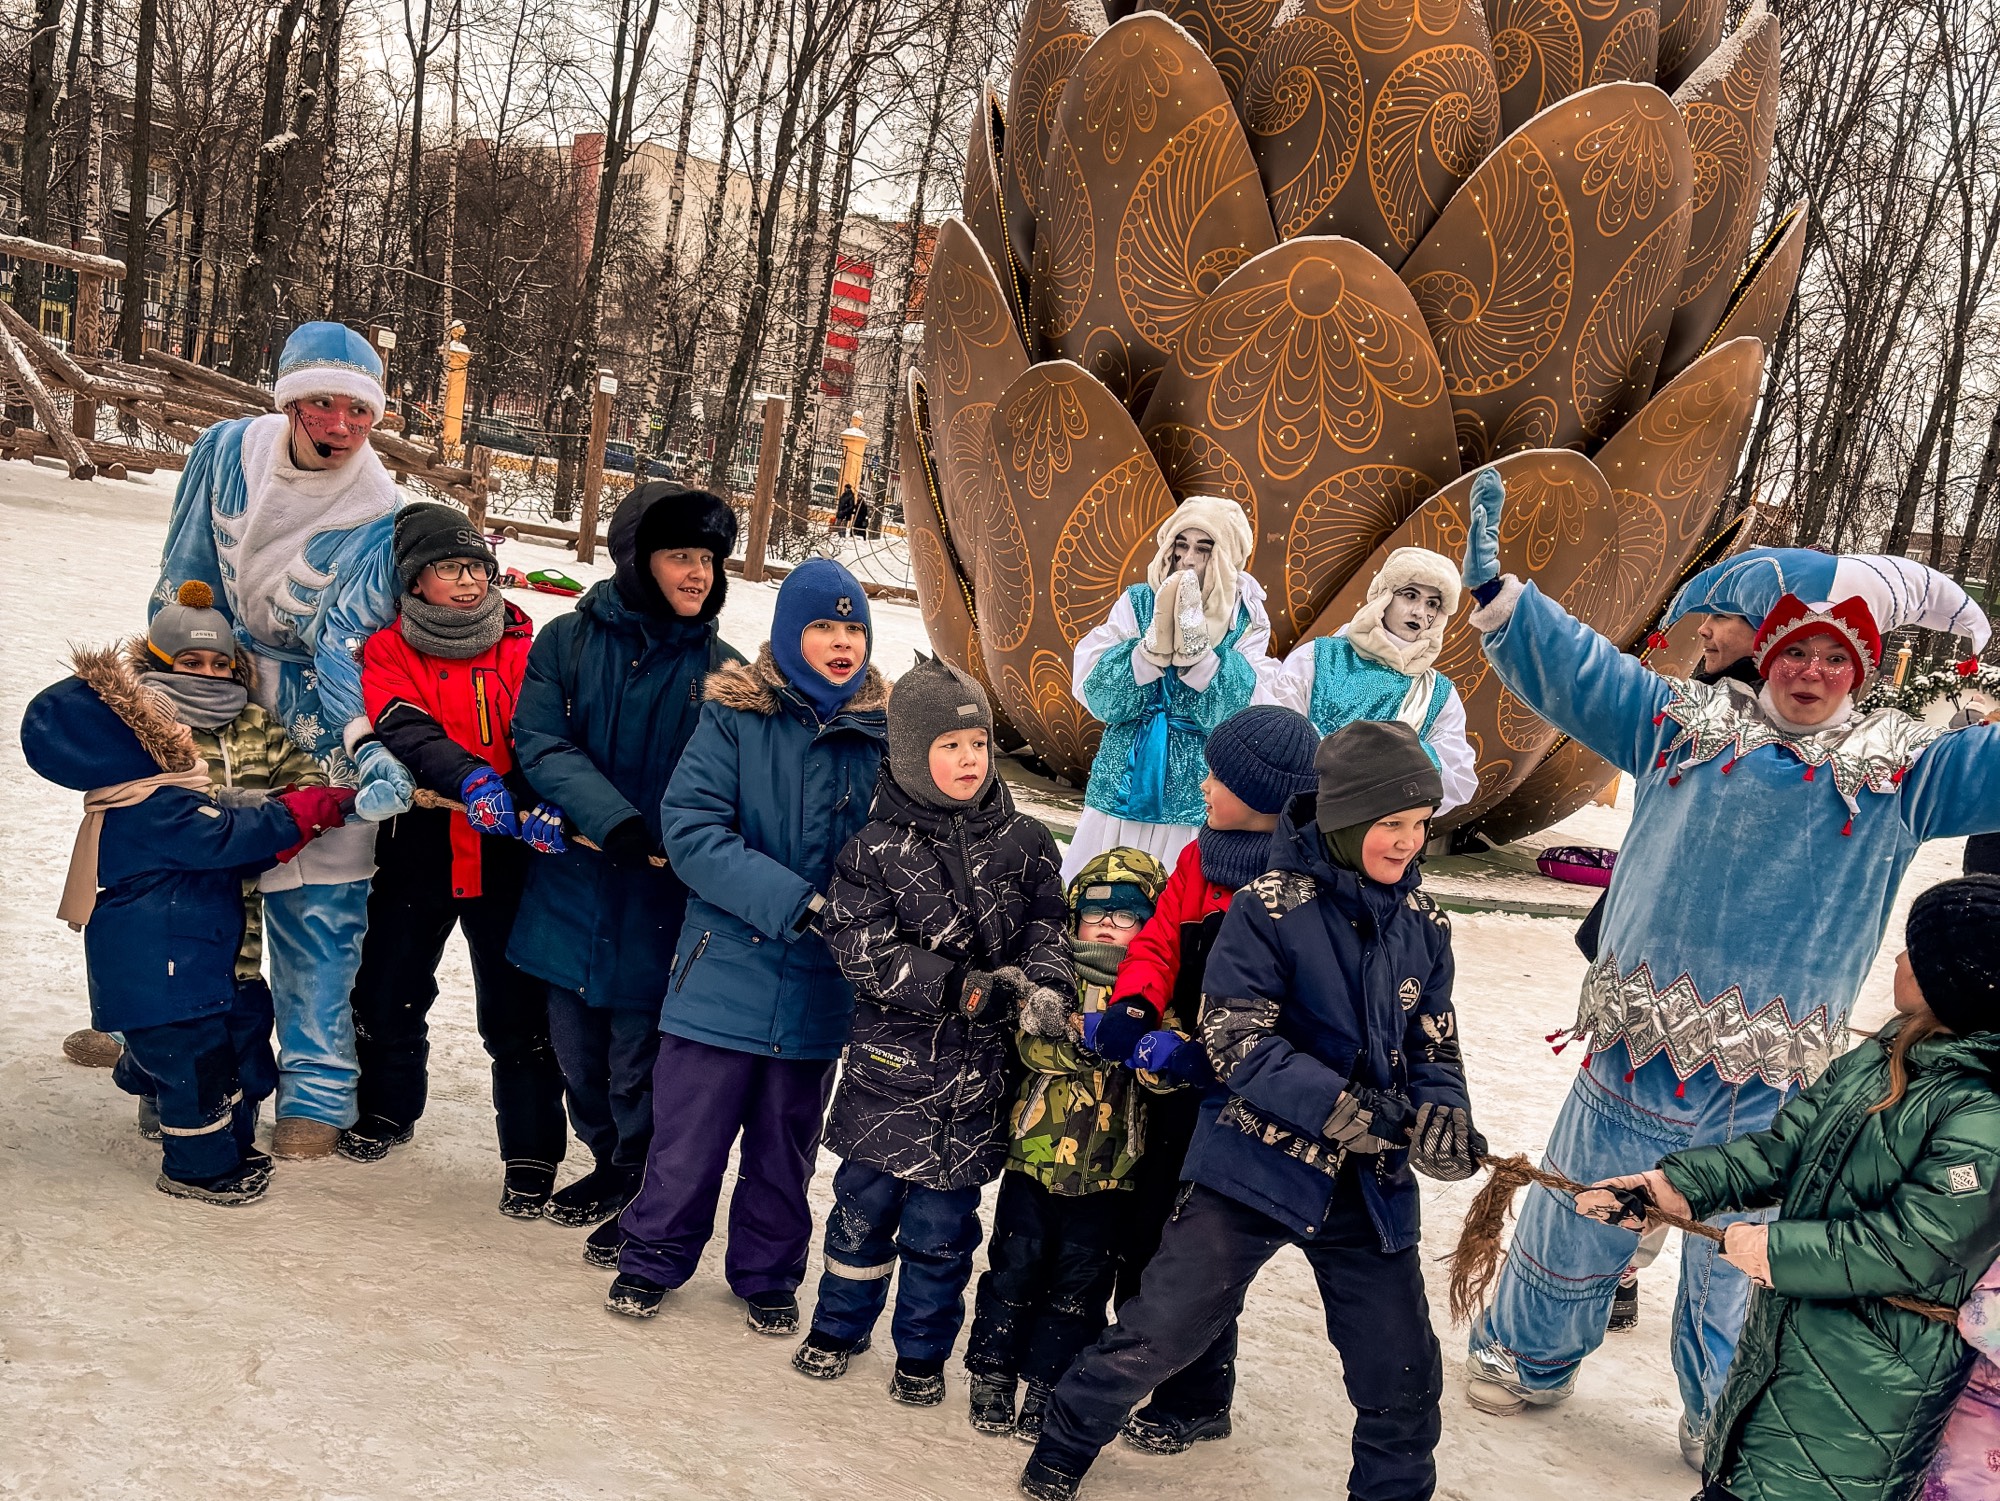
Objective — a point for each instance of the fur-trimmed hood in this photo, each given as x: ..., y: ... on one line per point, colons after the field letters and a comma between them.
x: 1369, y: 632
x: 103, y: 726
x: 753, y: 688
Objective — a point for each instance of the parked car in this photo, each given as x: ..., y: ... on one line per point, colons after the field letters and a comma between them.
x: 499, y: 433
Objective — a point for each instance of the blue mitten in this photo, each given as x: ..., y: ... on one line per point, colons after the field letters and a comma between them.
x: 1171, y: 1056
x: 1113, y: 1032
x: 386, y: 784
x: 541, y: 828
x: 1482, y: 536
x: 489, y: 806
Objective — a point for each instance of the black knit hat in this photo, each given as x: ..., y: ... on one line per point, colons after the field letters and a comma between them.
x: 1953, y: 936
x: 1370, y: 769
x: 658, y: 516
x: 429, y: 532
x: 1264, y: 755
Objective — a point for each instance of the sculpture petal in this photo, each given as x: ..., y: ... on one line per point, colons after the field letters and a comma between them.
x: 1765, y: 290
x: 1054, y: 36
x: 1548, y: 281
x: 1150, y: 199
x: 1689, y: 31
x: 985, y: 211
x: 1229, y: 31
x: 1308, y: 379
x: 1730, y: 105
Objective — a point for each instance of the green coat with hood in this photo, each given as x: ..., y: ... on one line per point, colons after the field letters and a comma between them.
x: 1835, y: 1395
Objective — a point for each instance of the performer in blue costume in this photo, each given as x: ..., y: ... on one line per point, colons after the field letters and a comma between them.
x: 1179, y: 654
x: 1771, y: 827
x: 289, y: 518
x: 1381, y: 666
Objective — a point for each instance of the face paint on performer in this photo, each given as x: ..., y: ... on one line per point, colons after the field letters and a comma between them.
x: 1412, y: 610
x: 1191, y: 551
x: 1809, y: 679
x: 327, y: 431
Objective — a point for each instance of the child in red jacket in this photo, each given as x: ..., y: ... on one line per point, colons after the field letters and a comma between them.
x: 439, y: 686
x: 1258, y: 761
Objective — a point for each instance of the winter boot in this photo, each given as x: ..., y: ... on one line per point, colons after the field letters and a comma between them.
x: 602, y: 1245
x: 634, y: 1296
x: 149, y: 1117
x: 1694, y: 1447
x: 1156, y: 1432
x: 369, y: 1139
x: 242, y: 1184
x: 598, y: 1194
x: 1034, y: 1407
x: 1625, y: 1305
x: 773, y: 1313
x: 259, y: 1162
x: 1494, y: 1385
x: 918, y: 1383
x: 298, y: 1139
x: 992, y: 1403
x: 92, y: 1048
x: 825, y: 1358
x: 527, y: 1188
x: 1045, y: 1482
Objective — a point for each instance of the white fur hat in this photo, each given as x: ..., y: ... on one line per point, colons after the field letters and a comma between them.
x: 1418, y: 565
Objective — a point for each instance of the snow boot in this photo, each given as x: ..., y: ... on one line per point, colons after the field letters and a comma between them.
x: 992, y: 1403
x: 825, y: 1358
x: 243, y: 1184
x: 1625, y: 1305
x: 602, y: 1245
x: 1155, y: 1432
x: 773, y: 1313
x: 1043, y: 1481
x: 918, y: 1383
x: 1034, y: 1407
x: 298, y: 1139
x: 91, y: 1048
x: 598, y: 1194
x: 634, y: 1296
x: 1694, y: 1446
x: 369, y: 1140
x: 527, y: 1188
x: 149, y: 1117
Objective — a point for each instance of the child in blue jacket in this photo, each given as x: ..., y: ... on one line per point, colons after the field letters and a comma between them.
x: 1326, y: 1011
x: 156, y: 884
x: 774, y: 783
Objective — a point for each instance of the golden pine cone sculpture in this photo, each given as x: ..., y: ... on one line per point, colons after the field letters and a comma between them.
x: 1326, y: 258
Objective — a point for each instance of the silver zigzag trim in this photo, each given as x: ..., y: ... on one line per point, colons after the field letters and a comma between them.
x: 1721, y: 1032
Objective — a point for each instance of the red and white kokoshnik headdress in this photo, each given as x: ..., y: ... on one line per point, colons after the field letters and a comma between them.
x: 1792, y: 619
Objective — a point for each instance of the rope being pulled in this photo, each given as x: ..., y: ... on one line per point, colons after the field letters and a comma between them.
x: 1476, y: 1261
x: 424, y: 798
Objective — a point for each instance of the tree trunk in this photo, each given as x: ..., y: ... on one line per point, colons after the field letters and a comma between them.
x: 413, y: 192
x: 37, y: 154
x: 1982, y: 492
x: 667, y: 304
x: 132, y: 319
x: 256, y: 293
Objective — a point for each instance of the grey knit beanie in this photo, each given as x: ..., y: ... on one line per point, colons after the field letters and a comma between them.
x: 190, y: 622
x: 930, y: 699
x: 1370, y: 769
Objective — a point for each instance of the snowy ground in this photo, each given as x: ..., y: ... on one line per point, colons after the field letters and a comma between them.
x: 381, y: 1332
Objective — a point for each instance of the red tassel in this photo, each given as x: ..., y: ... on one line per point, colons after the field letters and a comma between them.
x: 1659, y: 764
x: 1660, y: 718
x: 1896, y: 776
x: 1555, y: 1034
x: 1969, y: 667
x: 1730, y: 765
x: 1674, y: 780
x: 1586, y: 1059
x: 1655, y: 641
x: 1560, y: 1046
x: 1809, y: 773
x: 1628, y: 1075
x: 1681, y: 1090
x: 1848, y: 827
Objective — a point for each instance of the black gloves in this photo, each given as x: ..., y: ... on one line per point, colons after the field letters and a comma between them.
x: 1445, y: 1146
x: 629, y: 846
x: 1369, y: 1120
x: 1115, y: 1031
x: 990, y: 995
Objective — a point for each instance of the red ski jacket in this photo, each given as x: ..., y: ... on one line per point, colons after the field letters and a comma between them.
x: 445, y: 717
x: 1165, y: 962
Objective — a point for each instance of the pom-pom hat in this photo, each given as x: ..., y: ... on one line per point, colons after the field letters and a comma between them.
x: 329, y: 359
x: 190, y: 622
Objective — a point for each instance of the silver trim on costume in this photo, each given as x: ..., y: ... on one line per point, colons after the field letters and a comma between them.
x: 1720, y: 1032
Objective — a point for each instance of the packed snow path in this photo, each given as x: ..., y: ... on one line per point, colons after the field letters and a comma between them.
x: 381, y: 1332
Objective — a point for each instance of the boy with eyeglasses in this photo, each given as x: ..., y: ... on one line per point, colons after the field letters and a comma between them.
x: 440, y: 687
x: 1077, y: 1129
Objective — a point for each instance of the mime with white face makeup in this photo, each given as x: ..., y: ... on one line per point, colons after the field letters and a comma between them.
x: 1380, y: 666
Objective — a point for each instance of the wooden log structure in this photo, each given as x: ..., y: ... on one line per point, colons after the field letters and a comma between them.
x: 14, y: 360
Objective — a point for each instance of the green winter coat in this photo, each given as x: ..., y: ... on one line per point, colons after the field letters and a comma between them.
x: 1835, y: 1395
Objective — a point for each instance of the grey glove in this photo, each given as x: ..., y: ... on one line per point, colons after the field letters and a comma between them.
x: 991, y: 995
x: 1354, y: 1122
x: 1442, y: 1144
x: 1045, y: 1012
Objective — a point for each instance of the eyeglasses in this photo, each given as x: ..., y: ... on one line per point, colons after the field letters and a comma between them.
x: 452, y: 570
x: 1118, y: 917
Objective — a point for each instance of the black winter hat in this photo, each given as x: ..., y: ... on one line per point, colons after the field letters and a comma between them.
x: 1264, y: 755
x: 661, y: 515
x: 1370, y: 769
x: 1953, y: 936
x: 429, y: 532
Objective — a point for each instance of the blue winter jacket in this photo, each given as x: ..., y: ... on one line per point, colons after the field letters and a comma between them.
x: 610, y: 700
x: 1318, y: 979
x: 161, y: 944
x: 764, y: 798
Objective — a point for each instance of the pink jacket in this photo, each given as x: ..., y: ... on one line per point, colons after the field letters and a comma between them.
x: 1967, y: 1467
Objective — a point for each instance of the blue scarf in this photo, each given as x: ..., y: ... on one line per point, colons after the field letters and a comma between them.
x: 1233, y: 857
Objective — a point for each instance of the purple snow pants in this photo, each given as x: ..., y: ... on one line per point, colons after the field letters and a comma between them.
x: 702, y: 1097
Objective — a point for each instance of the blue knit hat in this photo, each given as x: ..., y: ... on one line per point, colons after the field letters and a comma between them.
x: 1265, y: 756
x: 818, y: 589
x: 329, y: 359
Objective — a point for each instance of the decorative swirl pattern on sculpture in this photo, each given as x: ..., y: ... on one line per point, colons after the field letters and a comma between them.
x: 969, y: 321
x: 1385, y: 26
x: 1065, y: 243
x: 1617, y: 354
x: 1229, y: 31
x: 1685, y: 25
x: 1306, y: 359
x: 1436, y: 118
x: 1337, y: 526
x: 1306, y: 80
x: 1123, y: 87
x: 1537, y: 50
x: 1042, y: 698
x: 1491, y: 335
x: 1722, y: 205
x: 1036, y: 97
x: 1106, y: 544
x: 969, y: 471
x: 1043, y: 424
x: 1193, y: 463
x: 1003, y: 574
x: 1628, y: 163
x: 1546, y: 514
x: 1686, y: 453
x: 1532, y: 424
x: 1615, y: 590
x: 1168, y: 258
x: 1631, y: 53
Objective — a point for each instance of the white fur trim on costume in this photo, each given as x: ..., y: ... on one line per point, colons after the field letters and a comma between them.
x: 329, y: 380
x: 1225, y: 523
x: 1418, y: 565
x: 355, y: 729
x: 1494, y: 614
